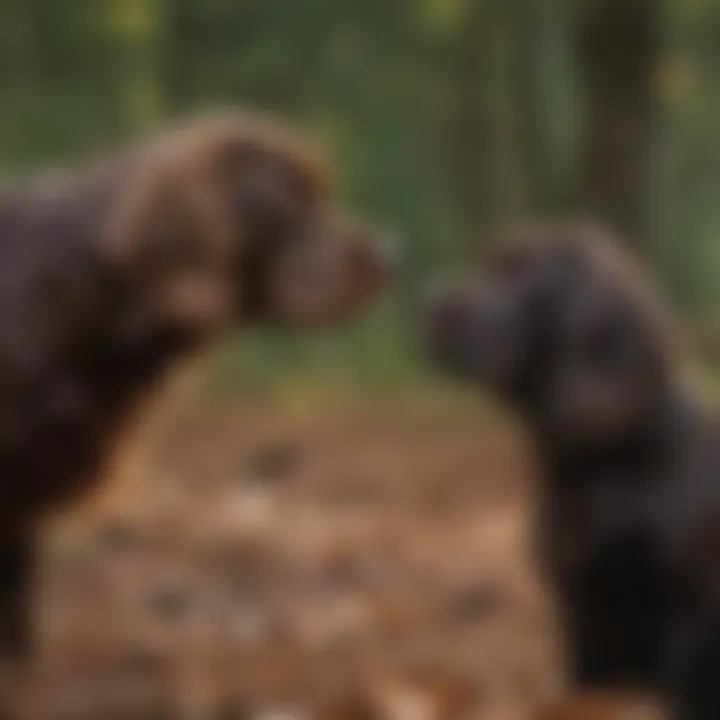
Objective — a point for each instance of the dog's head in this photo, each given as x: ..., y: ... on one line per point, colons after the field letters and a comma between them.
x: 229, y: 219
x: 561, y: 325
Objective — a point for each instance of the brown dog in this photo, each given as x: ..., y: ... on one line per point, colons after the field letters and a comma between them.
x: 565, y: 330
x: 111, y: 273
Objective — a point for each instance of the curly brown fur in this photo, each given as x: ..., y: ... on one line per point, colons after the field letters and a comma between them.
x: 111, y: 273
x: 568, y: 334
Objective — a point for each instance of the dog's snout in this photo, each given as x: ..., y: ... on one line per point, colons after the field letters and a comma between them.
x: 470, y: 330
x: 443, y: 305
x: 445, y: 315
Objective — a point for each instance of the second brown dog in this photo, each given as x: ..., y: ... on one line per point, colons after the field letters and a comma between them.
x: 565, y: 329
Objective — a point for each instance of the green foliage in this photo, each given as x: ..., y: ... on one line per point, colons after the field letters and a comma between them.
x: 686, y: 211
x: 441, y: 116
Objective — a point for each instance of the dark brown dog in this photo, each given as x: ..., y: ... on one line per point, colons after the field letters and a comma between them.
x: 565, y: 330
x: 111, y: 273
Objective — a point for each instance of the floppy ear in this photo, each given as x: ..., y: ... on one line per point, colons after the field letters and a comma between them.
x: 169, y: 238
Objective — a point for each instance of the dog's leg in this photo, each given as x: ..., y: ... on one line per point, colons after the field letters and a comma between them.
x: 693, y: 669
x: 17, y: 565
x: 611, y: 645
x: 17, y: 575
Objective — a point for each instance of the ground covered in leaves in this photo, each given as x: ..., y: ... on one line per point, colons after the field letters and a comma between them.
x: 303, y: 558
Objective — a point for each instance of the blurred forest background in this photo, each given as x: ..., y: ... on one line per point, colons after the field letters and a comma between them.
x: 290, y: 555
x: 445, y: 118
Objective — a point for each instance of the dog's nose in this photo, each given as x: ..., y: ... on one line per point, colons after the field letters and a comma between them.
x: 440, y: 302
x: 442, y: 312
x: 444, y: 324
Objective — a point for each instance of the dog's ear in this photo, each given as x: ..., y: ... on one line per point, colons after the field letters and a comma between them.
x: 169, y: 238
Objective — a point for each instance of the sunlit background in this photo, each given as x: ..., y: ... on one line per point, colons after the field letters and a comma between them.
x: 292, y: 531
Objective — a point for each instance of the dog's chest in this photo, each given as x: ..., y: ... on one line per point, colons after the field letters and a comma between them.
x: 605, y: 541
x: 60, y: 426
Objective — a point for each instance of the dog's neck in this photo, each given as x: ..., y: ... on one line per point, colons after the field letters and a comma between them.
x: 118, y: 346
x: 643, y: 454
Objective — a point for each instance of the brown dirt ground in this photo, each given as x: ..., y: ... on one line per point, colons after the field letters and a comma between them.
x: 281, y: 558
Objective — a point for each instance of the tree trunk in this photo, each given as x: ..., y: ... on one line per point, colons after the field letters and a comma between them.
x: 501, y: 144
x: 473, y: 150
x: 138, y: 26
x: 177, y: 56
x: 533, y: 171
x: 618, y: 45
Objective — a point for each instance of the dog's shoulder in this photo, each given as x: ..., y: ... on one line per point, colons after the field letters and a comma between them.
x: 690, y: 503
x: 695, y: 469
